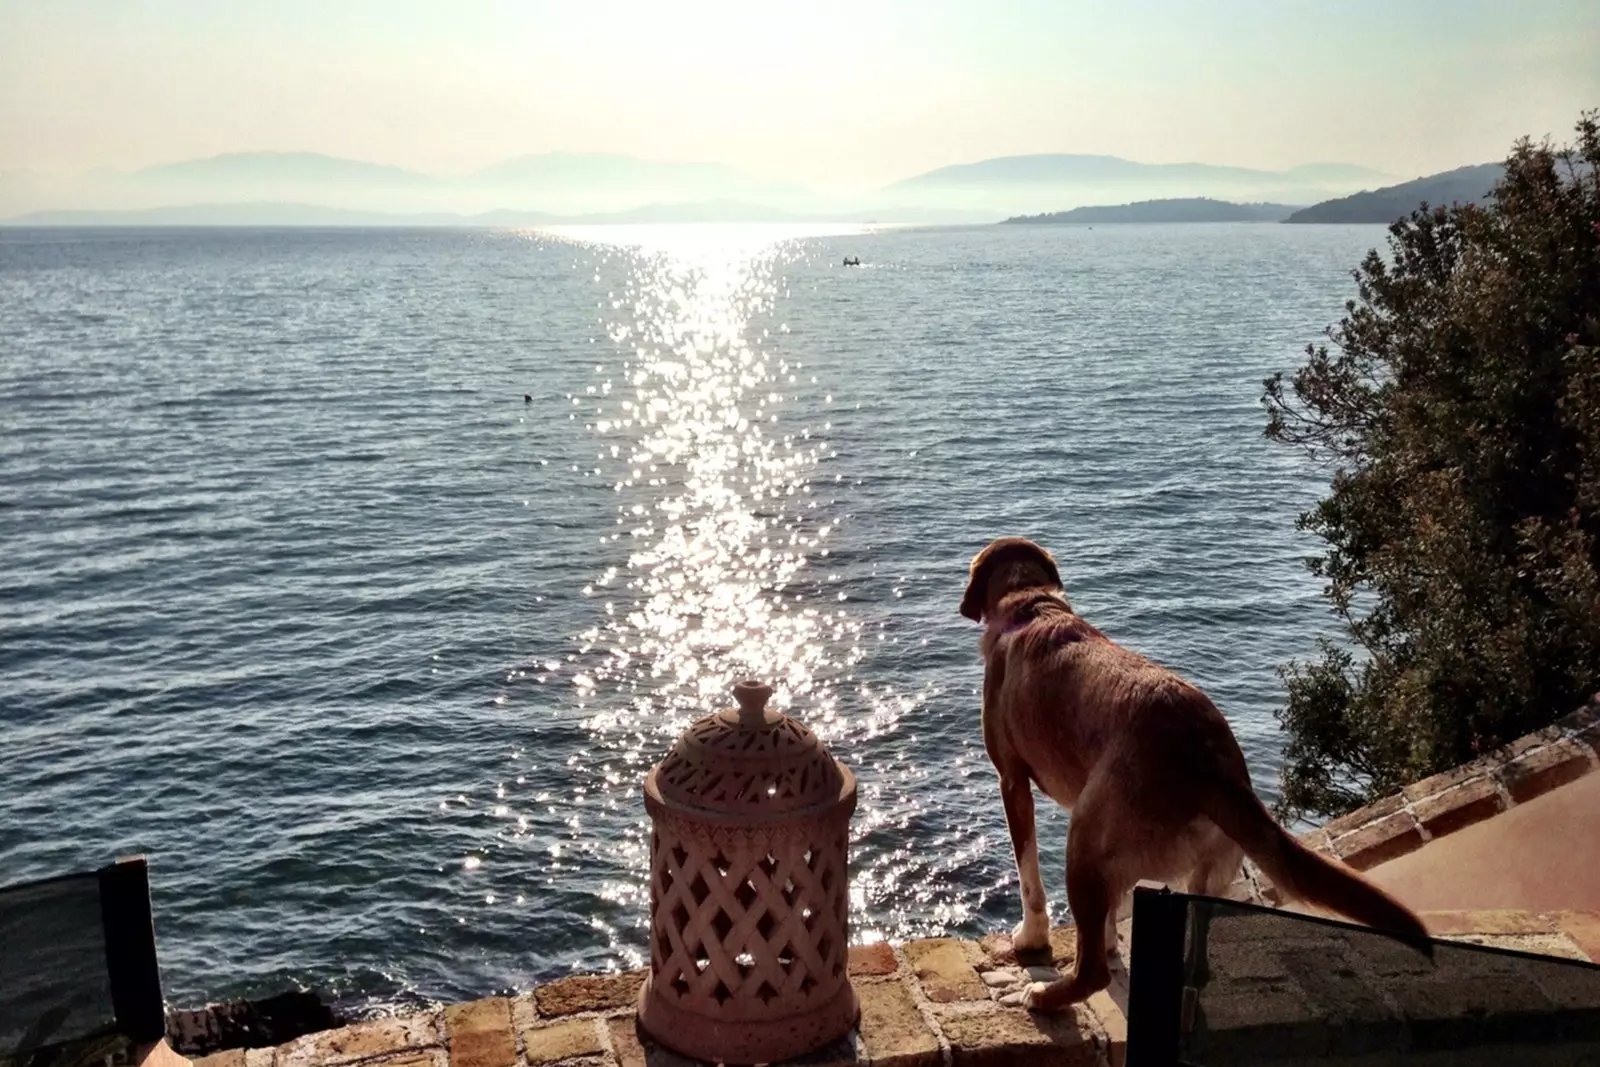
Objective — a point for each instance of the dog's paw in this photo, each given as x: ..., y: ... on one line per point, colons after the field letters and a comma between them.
x: 1030, y: 938
x: 1034, y: 999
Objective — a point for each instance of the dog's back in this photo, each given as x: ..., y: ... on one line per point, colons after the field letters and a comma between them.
x: 1157, y: 783
x: 1073, y: 698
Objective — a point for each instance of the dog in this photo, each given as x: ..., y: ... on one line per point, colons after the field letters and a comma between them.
x: 1149, y: 768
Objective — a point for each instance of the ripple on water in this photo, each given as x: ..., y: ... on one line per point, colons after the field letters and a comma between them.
x: 370, y: 656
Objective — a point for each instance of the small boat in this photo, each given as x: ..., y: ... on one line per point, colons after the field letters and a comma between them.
x: 852, y: 262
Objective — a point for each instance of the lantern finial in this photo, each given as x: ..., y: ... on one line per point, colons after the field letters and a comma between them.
x: 752, y: 696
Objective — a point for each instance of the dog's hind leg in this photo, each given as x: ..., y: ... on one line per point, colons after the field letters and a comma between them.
x: 1217, y: 869
x: 1118, y: 909
x: 1094, y: 887
x: 1033, y: 933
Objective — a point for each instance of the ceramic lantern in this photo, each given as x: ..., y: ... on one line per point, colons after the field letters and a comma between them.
x: 749, y: 890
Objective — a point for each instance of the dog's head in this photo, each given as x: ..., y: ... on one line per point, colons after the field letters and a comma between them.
x: 1006, y: 565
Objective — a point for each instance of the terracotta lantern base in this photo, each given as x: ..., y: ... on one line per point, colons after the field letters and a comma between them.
x: 694, y: 1035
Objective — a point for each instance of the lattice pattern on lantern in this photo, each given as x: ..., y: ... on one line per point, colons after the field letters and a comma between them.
x: 776, y: 768
x: 749, y: 889
x: 736, y: 919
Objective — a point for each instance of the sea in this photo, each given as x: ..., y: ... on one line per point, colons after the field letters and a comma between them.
x: 356, y: 577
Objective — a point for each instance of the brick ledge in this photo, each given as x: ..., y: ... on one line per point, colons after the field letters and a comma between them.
x: 925, y: 1003
x: 939, y: 1001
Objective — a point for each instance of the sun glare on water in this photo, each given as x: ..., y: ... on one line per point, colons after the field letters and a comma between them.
x: 715, y: 493
x: 712, y: 435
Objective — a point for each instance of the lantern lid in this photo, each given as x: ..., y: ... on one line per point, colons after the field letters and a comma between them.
x: 750, y: 761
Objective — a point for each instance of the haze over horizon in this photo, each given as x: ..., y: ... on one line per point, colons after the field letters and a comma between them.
x: 846, y: 98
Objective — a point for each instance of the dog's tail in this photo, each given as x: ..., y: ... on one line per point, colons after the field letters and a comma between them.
x: 1303, y: 874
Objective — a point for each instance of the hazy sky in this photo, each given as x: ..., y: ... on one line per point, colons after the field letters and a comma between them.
x: 835, y: 94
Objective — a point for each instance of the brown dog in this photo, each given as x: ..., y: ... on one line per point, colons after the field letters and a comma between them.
x: 1145, y: 762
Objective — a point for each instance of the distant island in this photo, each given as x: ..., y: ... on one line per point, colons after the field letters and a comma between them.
x: 1460, y: 186
x: 1185, y: 209
x: 1385, y: 205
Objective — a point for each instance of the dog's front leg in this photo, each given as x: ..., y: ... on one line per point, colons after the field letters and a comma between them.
x: 1033, y: 933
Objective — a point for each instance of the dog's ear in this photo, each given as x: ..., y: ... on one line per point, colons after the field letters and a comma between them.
x: 998, y: 552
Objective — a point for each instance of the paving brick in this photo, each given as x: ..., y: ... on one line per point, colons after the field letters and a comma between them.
x: 524, y: 1013
x: 233, y: 1057
x: 840, y: 1053
x: 1588, y: 715
x: 1486, y: 921
x: 1316, y: 840
x: 1389, y: 837
x: 629, y: 1048
x: 480, y: 1034
x: 893, y: 1032
x: 1452, y: 999
x: 1246, y: 960
x: 1113, y: 1024
x: 1527, y: 743
x: 559, y: 1041
x: 872, y: 961
x: 996, y: 947
x: 1378, y: 809
x: 1262, y: 1004
x: 1556, y: 945
x: 1344, y: 997
x: 1063, y: 945
x: 1543, y: 769
x: 1473, y: 801
x: 1455, y: 776
x: 1265, y: 1023
x: 1589, y: 736
x: 946, y: 968
x: 625, y: 1044
x: 1388, y: 958
x: 606, y: 992
x: 428, y: 1057
x: 362, y: 1041
x: 1570, y: 988
x: 1005, y: 1036
x: 1584, y: 929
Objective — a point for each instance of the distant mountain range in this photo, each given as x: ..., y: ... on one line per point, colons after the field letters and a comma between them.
x: 1462, y: 185
x: 557, y: 184
x: 271, y: 213
x: 280, y: 168
x: 570, y: 185
x: 1187, y: 209
x: 307, y: 189
x: 1053, y: 183
x: 1079, y: 169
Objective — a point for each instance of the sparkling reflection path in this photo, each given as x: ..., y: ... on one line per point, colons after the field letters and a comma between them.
x: 712, y: 435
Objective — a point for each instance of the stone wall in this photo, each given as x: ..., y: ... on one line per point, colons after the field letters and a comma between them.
x: 923, y: 1004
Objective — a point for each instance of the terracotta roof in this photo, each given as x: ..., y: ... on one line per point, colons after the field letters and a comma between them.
x: 1525, y: 838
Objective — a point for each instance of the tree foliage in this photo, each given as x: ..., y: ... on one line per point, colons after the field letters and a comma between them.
x: 1458, y: 402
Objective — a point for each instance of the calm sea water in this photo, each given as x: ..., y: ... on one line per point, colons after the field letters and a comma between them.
x: 300, y: 597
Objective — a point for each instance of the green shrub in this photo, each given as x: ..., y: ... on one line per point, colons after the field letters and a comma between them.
x: 1458, y: 402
